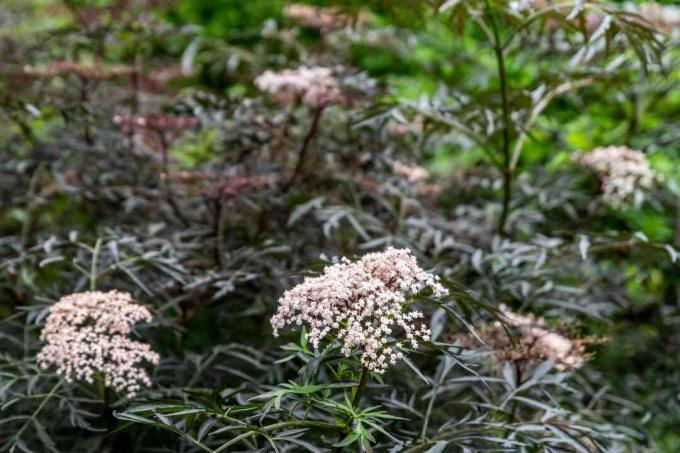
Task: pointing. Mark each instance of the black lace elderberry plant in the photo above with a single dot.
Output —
(356, 316)
(205, 193)
(495, 117)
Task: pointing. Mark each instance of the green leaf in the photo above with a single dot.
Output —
(348, 440)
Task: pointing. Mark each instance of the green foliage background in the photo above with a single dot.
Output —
(641, 360)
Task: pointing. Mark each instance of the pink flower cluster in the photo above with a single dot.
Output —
(315, 87)
(623, 172)
(325, 19)
(413, 173)
(664, 18)
(534, 342)
(567, 353)
(90, 71)
(363, 304)
(86, 335)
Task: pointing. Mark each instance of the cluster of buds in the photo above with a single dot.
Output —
(87, 336)
(623, 173)
(535, 342)
(323, 19)
(362, 304)
(314, 87)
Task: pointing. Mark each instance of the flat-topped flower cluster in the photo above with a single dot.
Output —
(535, 342)
(623, 173)
(362, 303)
(315, 87)
(413, 173)
(86, 335)
(90, 71)
(663, 18)
(324, 19)
(535, 336)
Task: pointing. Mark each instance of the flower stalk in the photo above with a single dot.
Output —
(360, 387)
(304, 146)
(508, 173)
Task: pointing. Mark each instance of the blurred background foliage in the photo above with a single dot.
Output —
(214, 260)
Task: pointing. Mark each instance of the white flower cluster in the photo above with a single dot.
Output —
(363, 304)
(623, 172)
(315, 87)
(86, 335)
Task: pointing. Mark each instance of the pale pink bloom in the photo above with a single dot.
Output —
(87, 335)
(565, 352)
(413, 173)
(325, 19)
(90, 71)
(315, 87)
(664, 18)
(531, 341)
(623, 172)
(363, 303)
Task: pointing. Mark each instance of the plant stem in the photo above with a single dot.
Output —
(102, 392)
(165, 178)
(32, 208)
(217, 229)
(93, 265)
(507, 198)
(304, 146)
(424, 446)
(355, 400)
(303, 424)
(634, 120)
(84, 99)
(505, 107)
(513, 408)
(134, 97)
(360, 388)
(109, 440)
(430, 404)
(165, 159)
